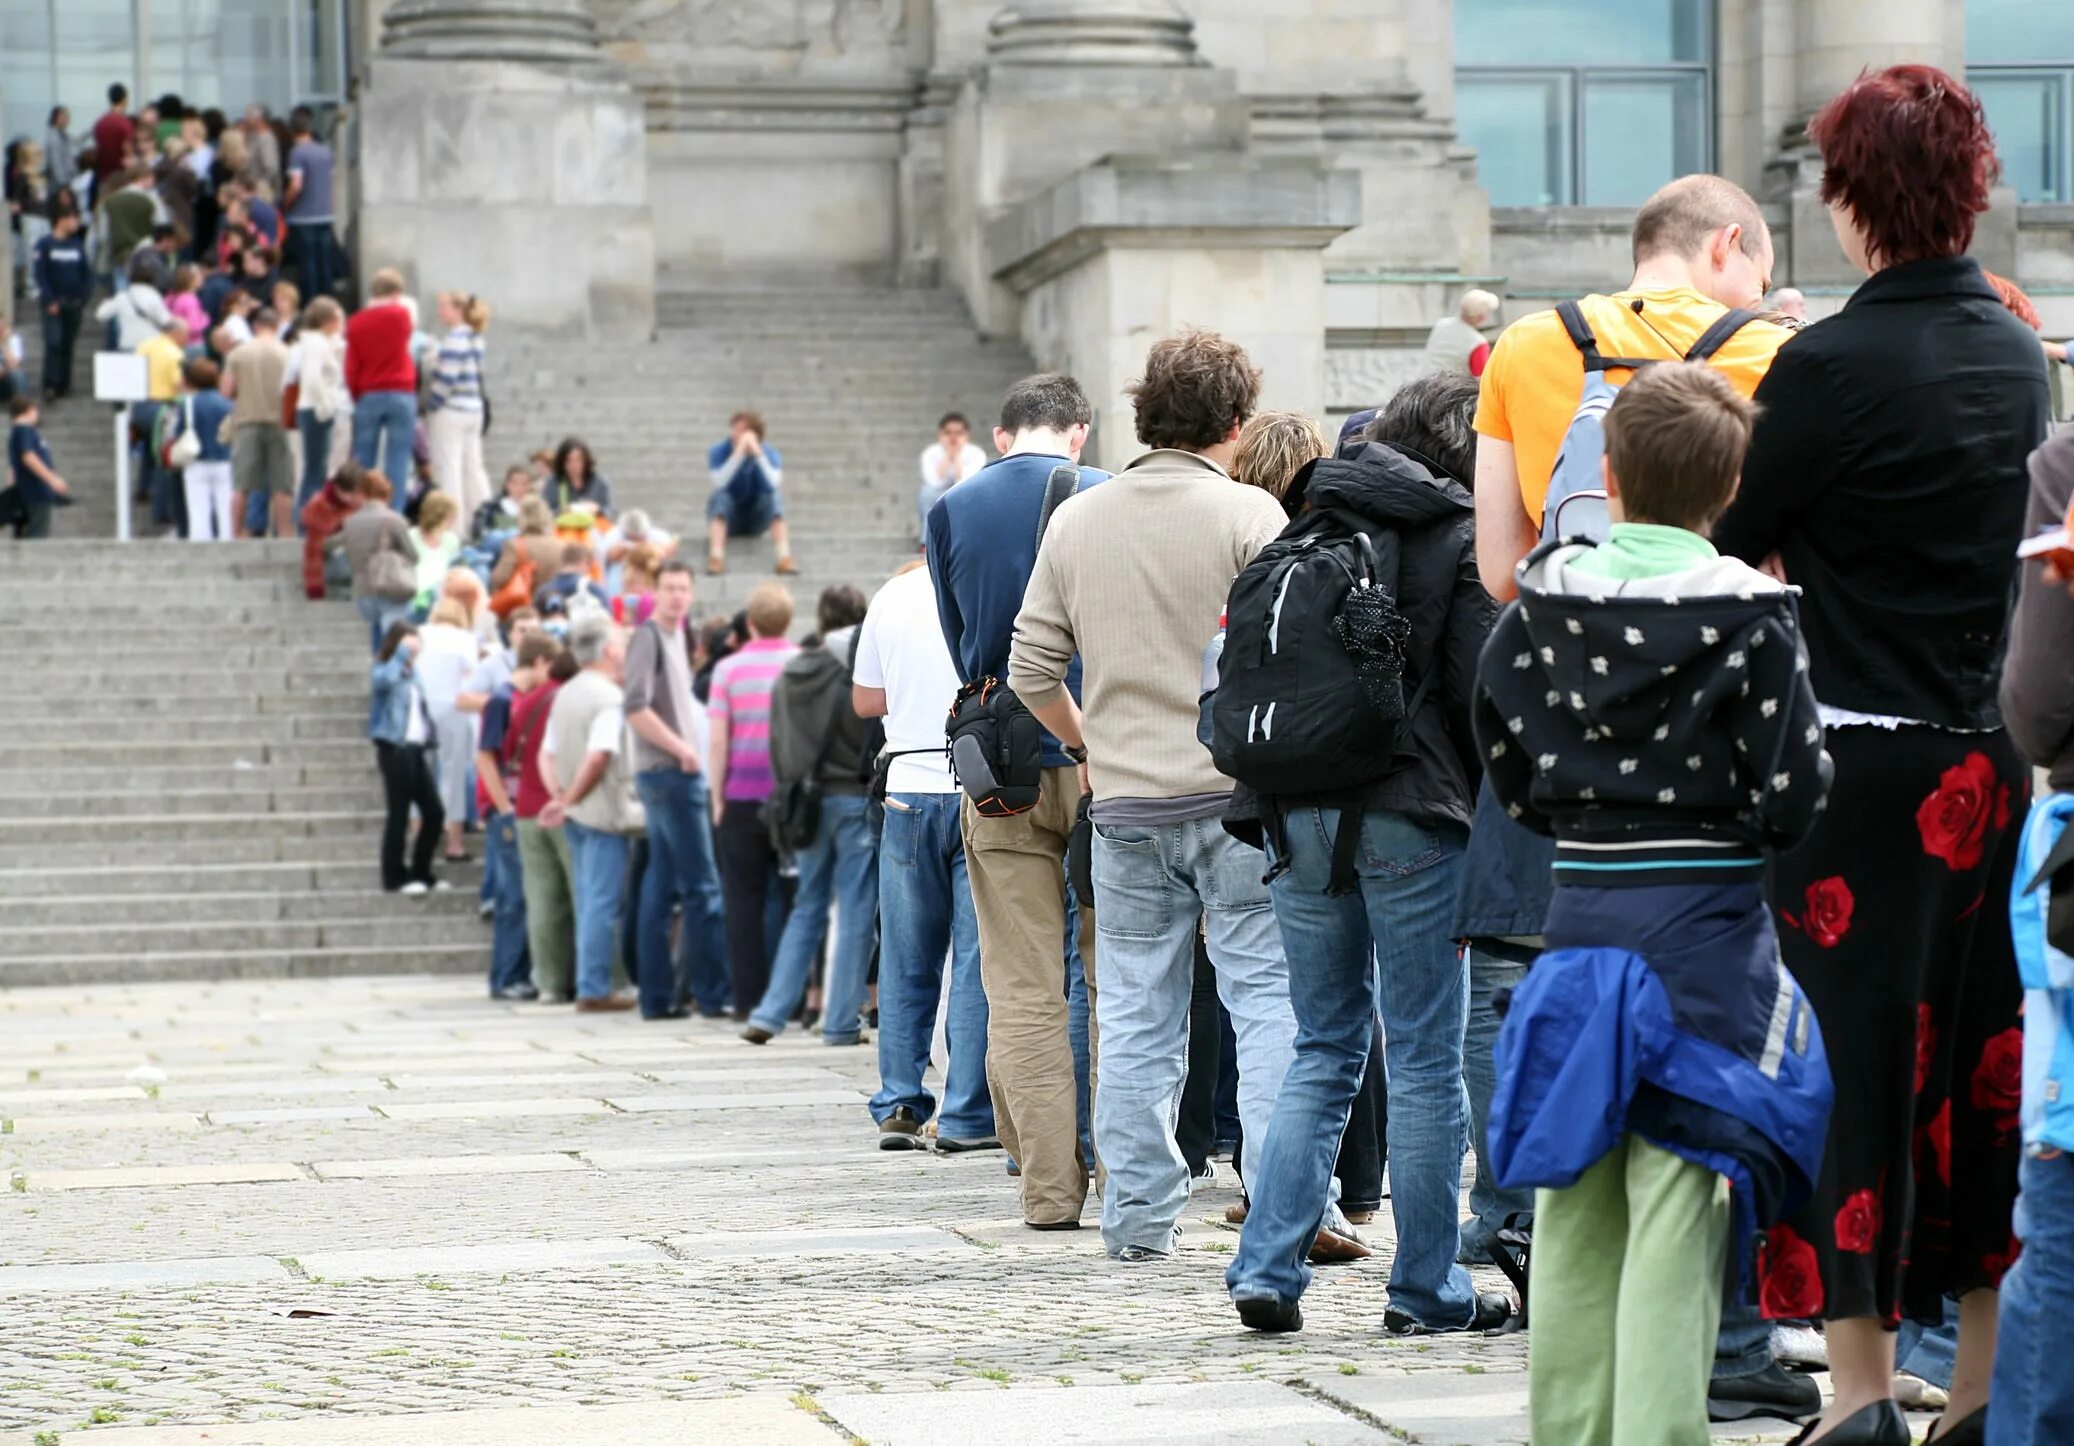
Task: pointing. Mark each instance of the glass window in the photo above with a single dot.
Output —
(93, 45)
(26, 82)
(2020, 62)
(321, 48)
(2019, 32)
(1584, 102)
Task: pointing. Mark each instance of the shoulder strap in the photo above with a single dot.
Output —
(1572, 314)
(1716, 336)
(1063, 483)
(1346, 840)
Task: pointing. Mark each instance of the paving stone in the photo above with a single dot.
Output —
(296, 1116)
(141, 1275)
(615, 1079)
(1250, 1413)
(68, 1094)
(492, 1109)
(883, 1240)
(495, 1259)
(143, 1177)
(742, 1421)
(164, 1122)
(742, 1100)
(407, 1169)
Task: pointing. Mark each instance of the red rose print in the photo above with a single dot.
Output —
(1997, 1262)
(1790, 1279)
(1828, 916)
(1954, 820)
(2002, 807)
(1998, 1080)
(1858, 1223)
(1939, 1134)
(1926, 1044)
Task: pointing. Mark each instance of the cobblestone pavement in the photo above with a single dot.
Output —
(297, 1207)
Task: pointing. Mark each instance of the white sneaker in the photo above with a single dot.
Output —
(1800, 1346)
(439, 886)
(415, 889)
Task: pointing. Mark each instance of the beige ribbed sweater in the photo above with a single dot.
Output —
(1132, 576)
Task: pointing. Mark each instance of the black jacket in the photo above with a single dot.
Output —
(2038, 683)
(1675, 713)
(1377, 486)
(1887, 471)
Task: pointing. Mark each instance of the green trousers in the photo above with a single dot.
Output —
(1626, 1284)
(550, 907)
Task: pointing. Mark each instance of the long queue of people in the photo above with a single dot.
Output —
(1627, 744)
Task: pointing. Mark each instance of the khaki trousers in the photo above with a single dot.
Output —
(550, 907)
(1017, 869)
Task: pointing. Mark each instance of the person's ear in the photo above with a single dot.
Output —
(1606, 474)
(1724, 241)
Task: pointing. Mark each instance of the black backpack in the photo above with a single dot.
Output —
(996, 746)
(822, 690)
(1311, 697)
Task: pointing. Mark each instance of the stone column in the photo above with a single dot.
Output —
(502, 154)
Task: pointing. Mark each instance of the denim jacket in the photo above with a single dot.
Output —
(2048, 977)
(388, 706)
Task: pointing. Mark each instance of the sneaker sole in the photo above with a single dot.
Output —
(1265, 1314)
(900, 1142)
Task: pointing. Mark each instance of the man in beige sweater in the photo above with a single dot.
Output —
(1132, 576)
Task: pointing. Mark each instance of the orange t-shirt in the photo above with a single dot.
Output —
(1535, 377)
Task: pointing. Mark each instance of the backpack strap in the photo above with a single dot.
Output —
(1587, 345)
(1716, 336)
(1346, 840)
(1064, 482)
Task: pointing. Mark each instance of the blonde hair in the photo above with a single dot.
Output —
(642, 561)
(536, 517)
(386, 282)
(770, 610)
(321, 313)
(436, 510)
(450, 612)
(1478, 306)
(1273, 448)
(475, 312)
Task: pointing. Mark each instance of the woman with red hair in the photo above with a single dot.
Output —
(1887, 477)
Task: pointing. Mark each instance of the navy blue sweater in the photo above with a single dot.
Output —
(982, 547)
(63, 271)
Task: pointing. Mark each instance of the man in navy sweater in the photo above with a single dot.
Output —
(64, 284)
(982, 541)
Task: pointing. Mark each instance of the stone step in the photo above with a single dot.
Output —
(262, 906)
(90, 709)
(401, 926)
(350, 867)
(161, 780)
(228, 753)
(182, 834)
(159, 966)
(179, 727)
(345, 798)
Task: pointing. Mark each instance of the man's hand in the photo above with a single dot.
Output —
(554, 815)
(719, 807)
(1085, 787)
(52, 308)
(688, 760)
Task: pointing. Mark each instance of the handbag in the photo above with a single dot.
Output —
(517, 590)
(390, 575)
(186, 448)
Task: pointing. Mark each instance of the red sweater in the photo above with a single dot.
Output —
(378, 351)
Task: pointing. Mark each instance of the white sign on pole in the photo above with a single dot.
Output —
(121, 376)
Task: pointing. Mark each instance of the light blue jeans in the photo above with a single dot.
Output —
(1488, 1205)
(926, 913)
(598, 872)
(840, 866)
(1408, 869)
(1153, 884)
(384, 424)
(509, 962)
(2033, 1390)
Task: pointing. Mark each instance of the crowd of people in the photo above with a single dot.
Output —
(1611, 755)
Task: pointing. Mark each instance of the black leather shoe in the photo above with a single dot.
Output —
(1773, 1391)
(1880, 1424)
(680, 1012)
(1267, 1313)
(1492, 1311)
(1972, 1431)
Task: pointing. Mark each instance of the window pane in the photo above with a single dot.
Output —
(25, 70)
(1520, 126)
(1583, 32)
(2019, 32)
(95, 46)
(233, 52)
(1639, 132)
(2024, 113)
(323, 73)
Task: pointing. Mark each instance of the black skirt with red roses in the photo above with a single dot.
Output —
(1894, 917)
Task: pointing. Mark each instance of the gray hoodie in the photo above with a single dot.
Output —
(2038, 671)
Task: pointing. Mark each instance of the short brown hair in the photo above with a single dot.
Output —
(376, 487)
(386, 282)
(321, 313)
(575, 554)
(1679, 218)
(1675, 439)
(436, 509)
(1196, 388)
(752, 420)
(1273, 448)
(200, 373)
(770, 610)
(541, 647)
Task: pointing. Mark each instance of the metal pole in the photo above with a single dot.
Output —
(122, 474)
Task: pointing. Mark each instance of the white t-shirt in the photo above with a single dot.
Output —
(606, 730)
(970, 460)
(900, 648)
(445, 662)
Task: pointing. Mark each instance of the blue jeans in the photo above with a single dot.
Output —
(680, 868)
(314, 248)
(840, 866)
(509, 963)
(255, 505)
(1077, 1026)
(925, 912)
(60, 337)
(1488, 1205)
(380, 613)
(1154, 883)
(2033, 1391)
(749, 513)
(1930, 1353)
(383, 423)
(316, 452)
(1408, 869)
(598, 869)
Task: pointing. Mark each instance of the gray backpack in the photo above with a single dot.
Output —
(1575, 506)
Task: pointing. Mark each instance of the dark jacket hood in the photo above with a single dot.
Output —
(1388, 486)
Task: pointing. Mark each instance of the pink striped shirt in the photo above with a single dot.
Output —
(741, 698)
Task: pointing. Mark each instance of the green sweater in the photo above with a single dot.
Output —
(1644, 549)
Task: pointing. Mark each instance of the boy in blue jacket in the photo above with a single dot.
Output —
(1646, 701)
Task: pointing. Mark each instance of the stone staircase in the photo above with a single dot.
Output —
(186, 790)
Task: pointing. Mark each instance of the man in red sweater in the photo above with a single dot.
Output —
(383, 380)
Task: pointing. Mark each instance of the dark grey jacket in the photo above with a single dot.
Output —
(2038, 674)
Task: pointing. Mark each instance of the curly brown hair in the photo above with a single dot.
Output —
(1196, 388)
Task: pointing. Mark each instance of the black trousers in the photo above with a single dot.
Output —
(1360, 1167)
(748, 879)
(1195, 1131)
(408, 780)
